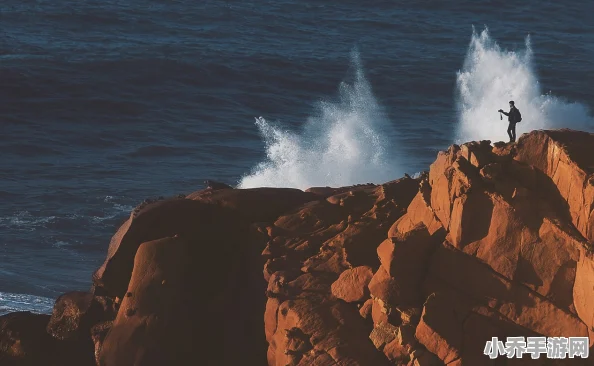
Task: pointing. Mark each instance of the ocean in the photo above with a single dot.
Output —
(106, 103)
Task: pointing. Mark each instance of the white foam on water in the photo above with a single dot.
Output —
(491, 77)
(10, 302)
(23, 220)
(342, 145)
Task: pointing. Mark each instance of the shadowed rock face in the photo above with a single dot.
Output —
(493, 241)
(23, 340)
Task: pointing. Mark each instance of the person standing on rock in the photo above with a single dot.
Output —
(513, 116)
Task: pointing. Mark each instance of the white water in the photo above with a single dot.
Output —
(343, 145)
(491, 77)
(10, 302)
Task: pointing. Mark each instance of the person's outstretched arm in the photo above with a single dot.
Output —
(501, 111)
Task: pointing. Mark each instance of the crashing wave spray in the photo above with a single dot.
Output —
(491, 77)
(341, 146)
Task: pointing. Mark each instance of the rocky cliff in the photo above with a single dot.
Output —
(493, 241)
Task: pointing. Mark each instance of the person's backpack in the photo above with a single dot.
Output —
(518, 116)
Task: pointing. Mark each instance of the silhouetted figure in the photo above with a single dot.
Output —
(513, 116)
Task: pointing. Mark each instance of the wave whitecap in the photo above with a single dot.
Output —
(343, 145)
(491, 77)
(10, 302)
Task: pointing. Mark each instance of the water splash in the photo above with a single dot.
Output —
(343, 145)
(491, 77)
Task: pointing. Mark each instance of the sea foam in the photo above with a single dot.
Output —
(342, 145)
(10, 302)
(491, 77)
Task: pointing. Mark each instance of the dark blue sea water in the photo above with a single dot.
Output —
(106, 103)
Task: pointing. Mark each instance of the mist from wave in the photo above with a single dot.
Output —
(491, 77)
(343, 145)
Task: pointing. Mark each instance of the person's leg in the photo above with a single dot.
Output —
(513, 127)
(509, 133)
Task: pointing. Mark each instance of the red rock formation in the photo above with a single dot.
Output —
(566, 159)
(351, 285)
(63, 340)
(341, 235)
(23, 340)
(76, 312)
(158, 295)
(188, 217)
(154, 221)
(494, 241)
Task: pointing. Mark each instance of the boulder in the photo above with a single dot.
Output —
(156, 322)
(157, 220)
(440, 329)
(24, 341)
(351, 286)
(385, 287)
(478, 153)
(566, 160)
(76, 312)
(73, 316)
(419, 212)
(174, 298)
(405, 258)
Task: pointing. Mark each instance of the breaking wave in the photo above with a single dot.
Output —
(343, 145)
(491, 77)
